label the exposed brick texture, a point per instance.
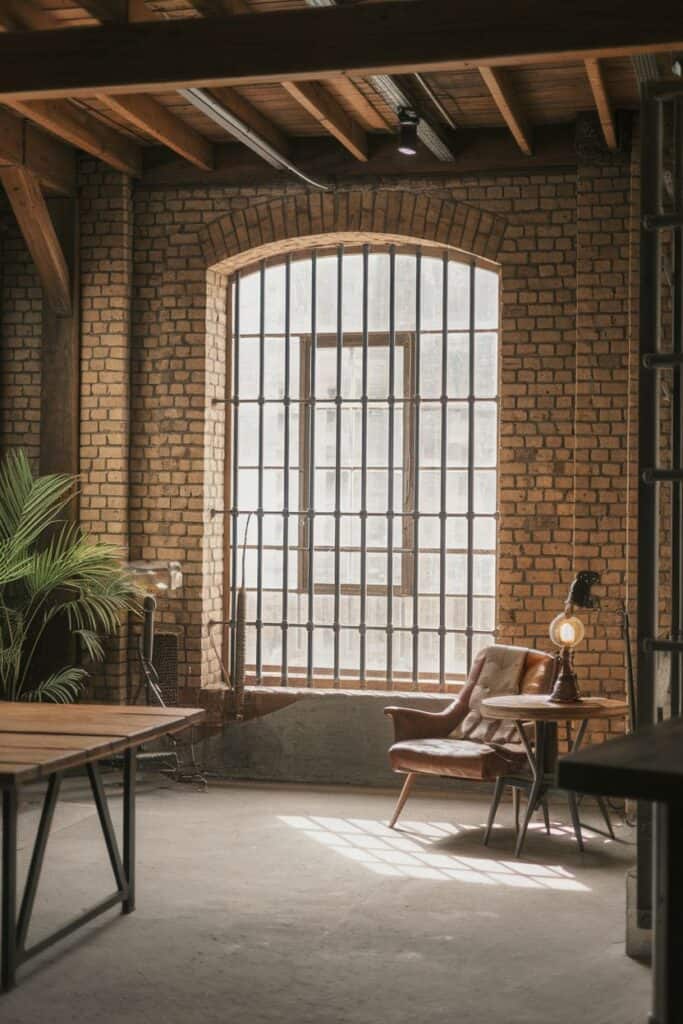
(551, 234)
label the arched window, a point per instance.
(364, 445)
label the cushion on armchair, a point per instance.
(500, 674)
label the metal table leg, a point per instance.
(15, 929)
(8, 954)
(537, 761)
(129, 780)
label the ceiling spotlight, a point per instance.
(407, 139)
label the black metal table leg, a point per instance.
(129, 781)
(668, 899)
(497, 794)
(8, 954)
(537, 787)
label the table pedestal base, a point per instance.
(541, 758)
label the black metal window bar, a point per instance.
(363, 433)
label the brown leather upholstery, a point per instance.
(424, 744)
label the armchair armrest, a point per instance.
(413, 724)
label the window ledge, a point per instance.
(220, 703)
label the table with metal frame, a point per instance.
(41, 742)
(545, 715)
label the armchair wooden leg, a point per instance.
(403, 796)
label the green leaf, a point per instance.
(61, 687)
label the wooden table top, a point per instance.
(646, 765)
(38, 739)
(539, 708)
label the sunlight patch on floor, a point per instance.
(414, 853)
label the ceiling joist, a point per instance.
(603, 105)
(322, 105)
(154, 118)
(314, 43)
(498, 84)
(30, 209)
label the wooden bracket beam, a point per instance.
(315, 43)
(603, 105)
(82, 129)
(498, 85)
(60, 360)
(322, 105)
(32, 214)
(24, 145)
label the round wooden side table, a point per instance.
(542, 755)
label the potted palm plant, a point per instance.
(54, 581)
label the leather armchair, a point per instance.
(458, 742)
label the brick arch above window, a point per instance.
(272, 227)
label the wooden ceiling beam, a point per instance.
(321, 104)
(106, 10)
(481, 151)
(154, 118)
(142, 111)
(75, 125)
(359, 103)
(313, 97)
(24, 145)
(16, 15)
(221, 8)
(30, 209)
(596, 78)
(498, 84)
(252, 117)
(139, 11)
(315, 43)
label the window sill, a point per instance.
(220, 703)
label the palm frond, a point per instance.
(61, 687)
(28, 504)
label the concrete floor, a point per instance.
(262, 903)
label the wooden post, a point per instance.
(60, 359)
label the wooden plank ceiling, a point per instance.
(354, 110)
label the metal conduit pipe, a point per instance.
(220, 115)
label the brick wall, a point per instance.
(546, 230)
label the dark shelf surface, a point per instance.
(647, 765)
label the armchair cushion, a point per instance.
(500, 673)
(462, 759)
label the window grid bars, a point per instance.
(364, 471)
(390, 462)
(470, 464)
(234, 512)
(443, 478)
(285, 525)
(261, 447)
(337, 460)
(307, 512)
(310, 497)
(416, 457)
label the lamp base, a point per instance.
(566, 688)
